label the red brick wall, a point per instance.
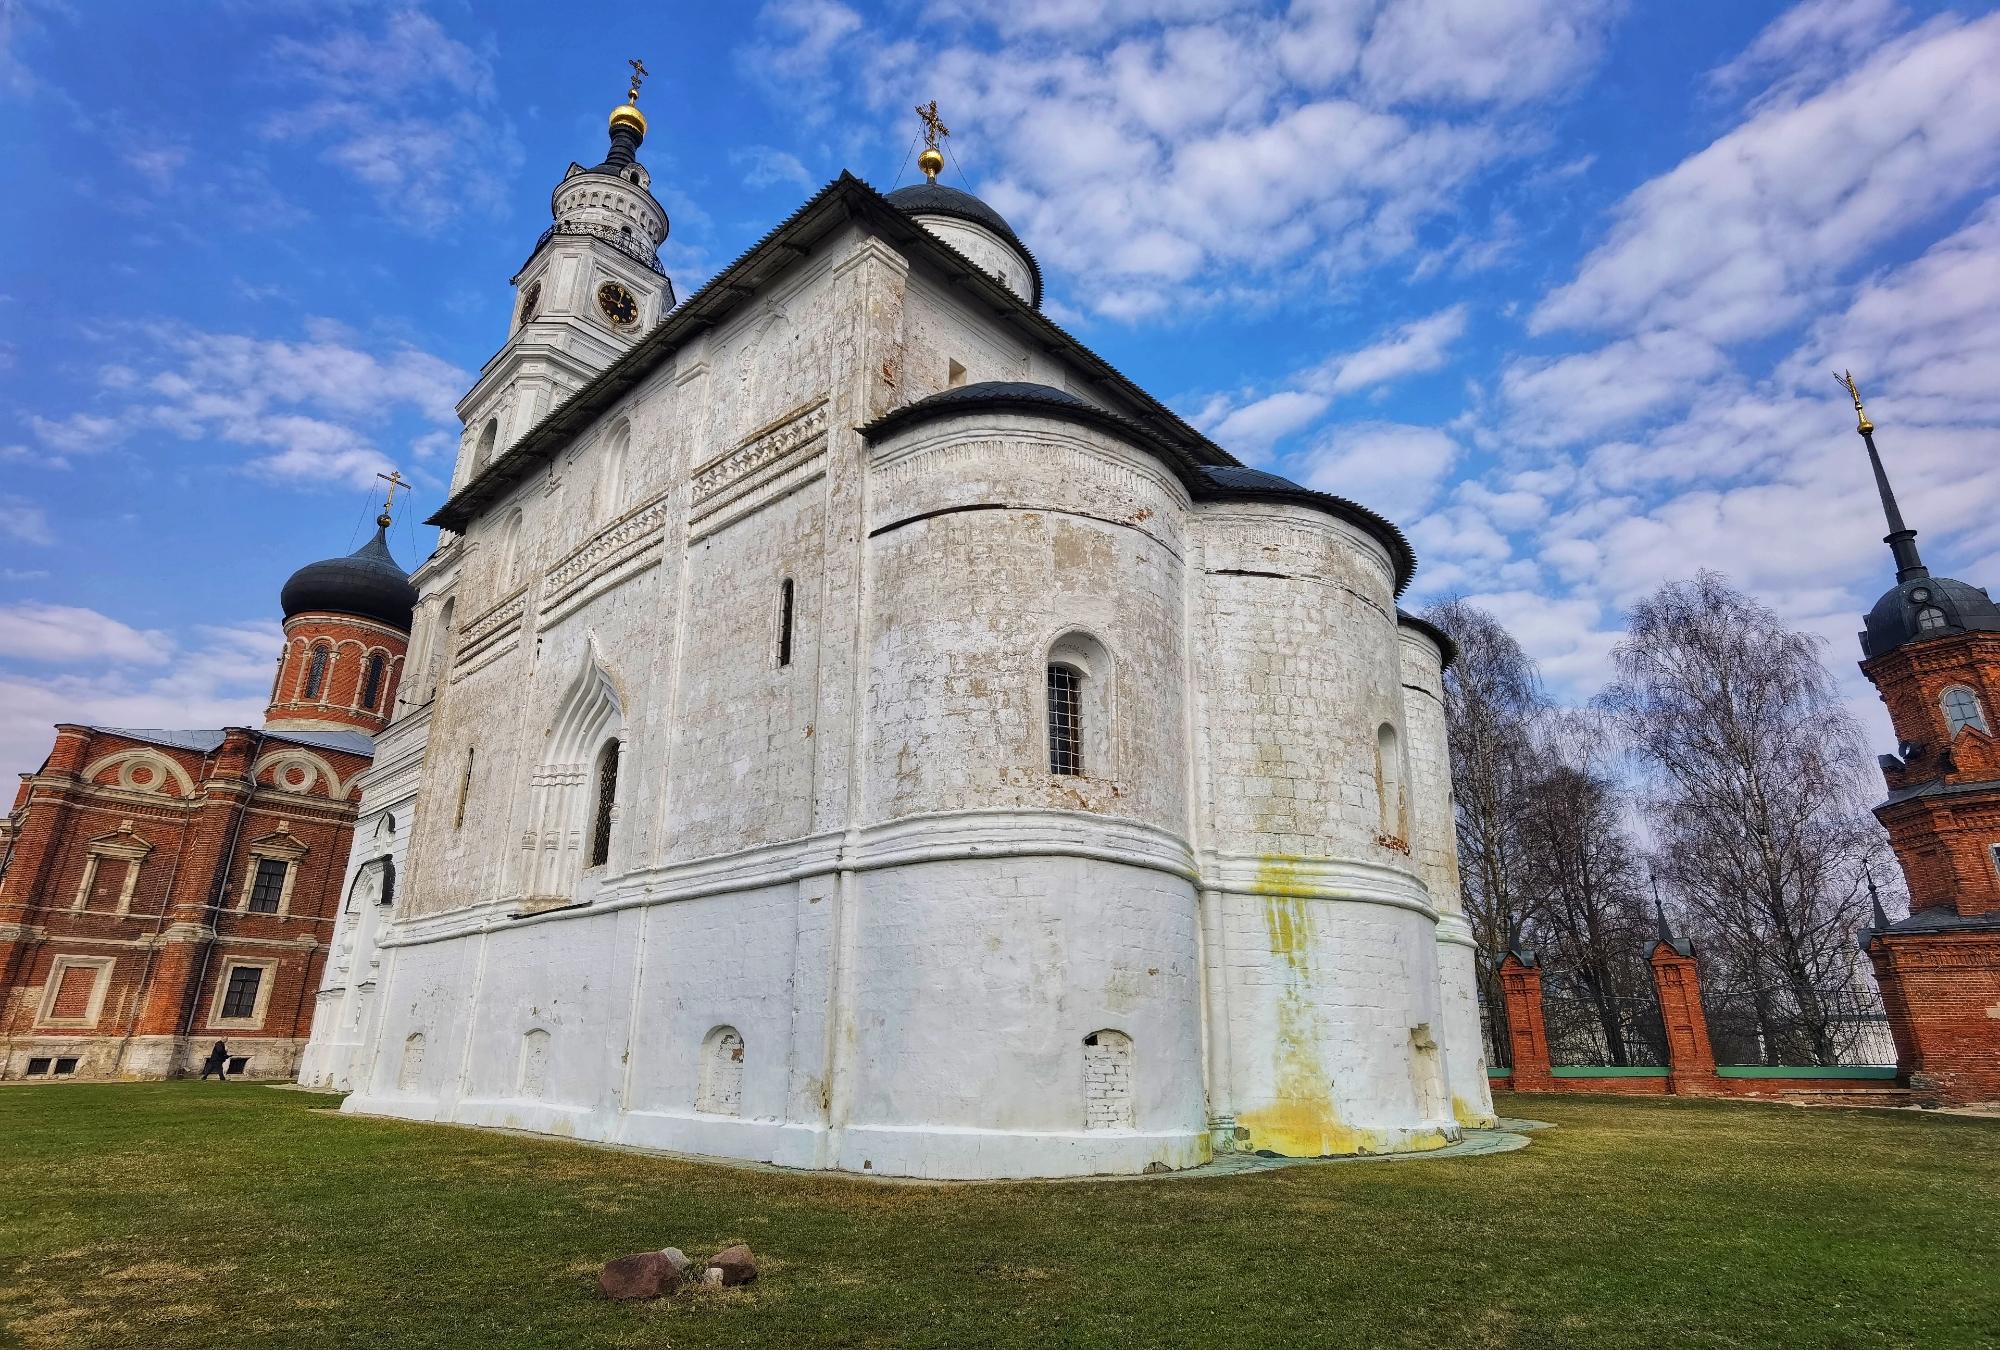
(1949, 985)
(1944, 842)
(186, 918)
(348, 642)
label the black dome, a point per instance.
(1894, 620)
(938, 200)
(367, 583)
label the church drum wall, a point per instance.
(1434, 848)
(1327, 952)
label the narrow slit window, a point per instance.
(464, 790)
(371, 682)
(607, 796)
(785, 622)
(316, 671)
(1065, 721)
(269, 887)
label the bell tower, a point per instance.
(590, 289)
(1932, 649)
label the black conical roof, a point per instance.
(367, 583)
(1899, 616)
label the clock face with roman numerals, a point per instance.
(617, 304)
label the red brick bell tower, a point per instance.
(1932, 649)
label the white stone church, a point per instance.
(850, 725)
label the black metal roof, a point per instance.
(1893, 621)
(367, 582)
(1431, 631)
(833, 207)
(1208, 471)
(935, 199)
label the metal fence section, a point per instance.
(1615, 1029)
(1774, 1024)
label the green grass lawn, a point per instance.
(189, 1214)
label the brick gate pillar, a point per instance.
(1527, 1034)
(1677, 986)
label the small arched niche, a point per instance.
(534, 1075)
(1390, 793)
(1107, 1081)
(721, 1073)
(411, 1072)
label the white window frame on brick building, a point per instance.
(277, 846)
(101, 965)
(121, 845)
(262, 1001)
(1961, 713)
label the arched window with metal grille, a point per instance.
(371, 680)
(1065, 720)
(316, 671)
(607, 797)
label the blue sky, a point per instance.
(1556, 283)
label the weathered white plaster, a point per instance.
(849, 918)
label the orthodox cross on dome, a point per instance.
(931, 161)
(1862, 424)
(639, 74)
(394, 478)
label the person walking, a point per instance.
(217, 1063)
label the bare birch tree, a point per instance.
(1585, 883)
(1756, 796)
(1492, 698)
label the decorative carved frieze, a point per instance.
(763, 449)
(632, 538)
(492, 633)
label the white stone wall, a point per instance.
(1434, 844)
(859, 863)
(986, 248)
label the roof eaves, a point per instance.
(1431, 631)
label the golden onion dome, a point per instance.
(626, 115)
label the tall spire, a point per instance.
(1901, 539)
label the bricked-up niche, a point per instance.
(721, 1073)
(411, 1071)
(535, 1063)
(1390, 796)
(1107, 1081)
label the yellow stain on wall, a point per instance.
(1302, 1119)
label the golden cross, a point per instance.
(1846, 379)
(934, 126)
(639, 73)
(394, 478)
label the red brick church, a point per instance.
(162, 890)
(1932, 649)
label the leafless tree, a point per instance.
(1492, 699)
(1586, 886)
(1755, 795)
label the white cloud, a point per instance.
(1561, 400)
(24, 521)
(1254, 428)
(1389, 467)
(30, 631)
(220, 677)
(1418, 346)
(311, 410)
(764, 166)
(1483, 51)
(1734, 242)
(409, 112)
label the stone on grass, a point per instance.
(736, 1263)
(678, 1259)
(640, 1275)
